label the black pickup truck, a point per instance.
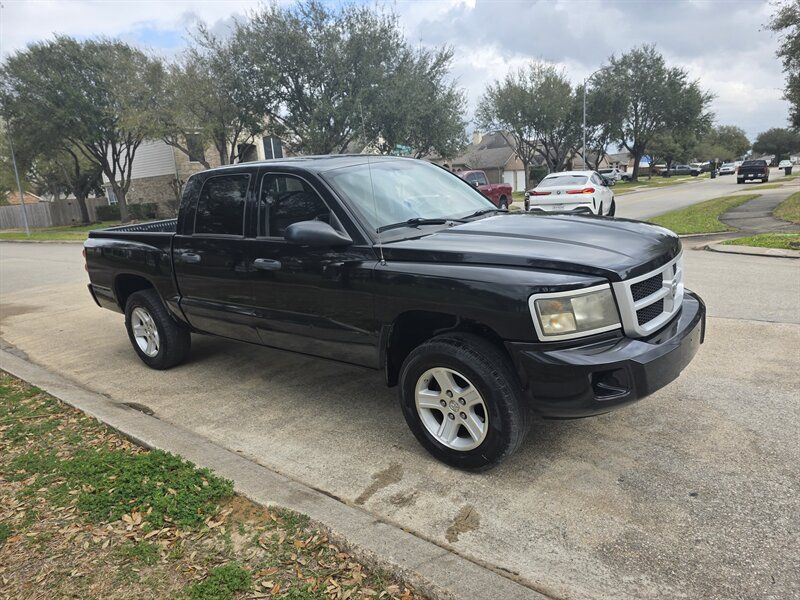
(483, 317)
(753, 169)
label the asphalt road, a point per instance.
(648, 203)
(693, 492)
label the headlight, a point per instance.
(577, 313)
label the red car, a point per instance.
(498, 193)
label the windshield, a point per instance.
(405, 189)
(559, 180)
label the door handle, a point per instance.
(189, 257)
(267, 264)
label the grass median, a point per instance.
(56, 234)
(85, 513)
(789, 209)
(783, 241)
(702, 217)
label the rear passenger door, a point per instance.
(210, 258)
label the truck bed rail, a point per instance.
(164, 226)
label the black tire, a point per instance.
(600, 210)
(174, 339)
(613, 210)
(488, 370)
(738, 181)
(503, 203)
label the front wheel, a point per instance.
(462, 401)
(503, 203)
(156, 337)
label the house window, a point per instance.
(272, 147)
(194, 144)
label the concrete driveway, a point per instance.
(694, 492)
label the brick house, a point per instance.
(12, 197)
(160, 170)
(492, 154)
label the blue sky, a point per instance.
(722, 43)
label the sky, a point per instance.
(722, 43)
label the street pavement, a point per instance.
(693, 492)
(648, 203)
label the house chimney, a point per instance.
(477, 136)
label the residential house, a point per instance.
(12, 197)
(492, 154)
(160, 170)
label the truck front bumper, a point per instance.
(601, 376)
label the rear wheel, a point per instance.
(462, 401)
(156, 337)
(600, 210)
(613, 210)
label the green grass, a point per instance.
(56, 234)
(789, 209)
(145, 553)
(784, 241)
(702, 217)
(222, 583)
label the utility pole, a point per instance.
(19, 185)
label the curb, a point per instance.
(427, 567)
(3, 241)
(753, 251)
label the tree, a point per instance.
(724, 142)
(210, 93)
(652, 98)
(325, 63)
(95, 96)
(787, 23)
(555, 115)
(417, 107)
(600, 111)
(777, 141)
(672, 146)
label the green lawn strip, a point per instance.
(702, 217)
(56, 234)
(74, 494)
(785, 241)
(789, 209)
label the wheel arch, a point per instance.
(126, 284)
(414, 327)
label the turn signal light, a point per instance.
(588, 190)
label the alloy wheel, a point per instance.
(451, 409)
(145, 331)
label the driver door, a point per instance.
(311, 300)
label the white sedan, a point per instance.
(572, 191)
(727, 169)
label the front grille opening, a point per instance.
(608, 385)
(650, 312)
(646, 288)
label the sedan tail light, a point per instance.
(588, 190)
(535, 193)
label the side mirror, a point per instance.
(317, 234)
(474, 184)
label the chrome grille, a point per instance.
(649, 301)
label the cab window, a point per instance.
(285, 199)
(220, 207)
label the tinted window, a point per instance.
(220, 208)
(478, 178)
(559, 180)
(285, 200)
(754, 163)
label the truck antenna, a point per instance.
(371, 183)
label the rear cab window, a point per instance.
(221, 206)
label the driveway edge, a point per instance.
(754, 251)
(432, 570)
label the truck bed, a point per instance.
(163, 226)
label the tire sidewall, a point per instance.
(497, 442)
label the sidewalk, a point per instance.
(755, 216)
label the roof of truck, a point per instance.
(315, 163)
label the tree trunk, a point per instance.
(637, 157)
(525, 165)
(122, 202)
(84, 209)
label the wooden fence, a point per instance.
(60, 213)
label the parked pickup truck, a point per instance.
(752, 169)
(481, 317)
(498, 193)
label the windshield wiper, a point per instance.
(416, 221)
(483, 211)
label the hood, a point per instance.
(615, 249)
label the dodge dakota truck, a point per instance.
(498, 193)
(482, 318)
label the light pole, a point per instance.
(585, 84)
(19, 186)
